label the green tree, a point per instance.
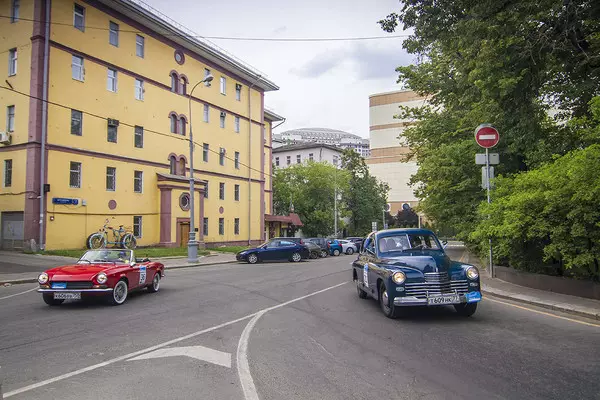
(365, 197)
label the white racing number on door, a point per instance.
(142, 275)
(366, 275)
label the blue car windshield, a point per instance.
(407, 242)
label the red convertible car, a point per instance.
(112, 273)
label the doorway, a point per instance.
(184, 233)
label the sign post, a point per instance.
(487, 137)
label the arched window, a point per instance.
(183, 85)
(181, 166)
(174, 121)
(182, 124)
(174, 82)
(173, 165)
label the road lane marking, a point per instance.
(487, 298)
(159, 346)
(198, 352)
(18, 294)
(243, 366)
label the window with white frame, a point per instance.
(75, 175)
(311, 157)
(79, 17)
(223, 84)
(7, 173)
(236, 193)
(77, 67)
(139, 46)
(205, 149)
(238, 92)
(76, 122)
(14, 10)
(221, 191)
(137, 226)
(138, 181)
(111, 131)
(288, 160)
(10, 119)
(12, 62)
(221, 226)
(298, 159)
(237, 160)
(222, 119)
(138, 137)
(222, 156)
(111, 80)
(236, 124)
(139, 89)
(206, 113)
(113, 33)
(111, 179)
(236, 226)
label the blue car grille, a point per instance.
(421, 289)
(436, 277)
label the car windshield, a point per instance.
(404, 242)
(105, 255)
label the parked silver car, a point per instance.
(348, 247)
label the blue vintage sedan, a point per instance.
(409, 267)
(275, 250)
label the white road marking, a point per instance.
(242, 361)
(198, 352)
(159, 346)
(18, 294)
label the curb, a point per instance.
(18, 281)
(542, 304)
(201, 265)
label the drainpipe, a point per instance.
(250, 159)
(42, 242)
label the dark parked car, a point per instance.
(275, 250)
(322, 243)
(409, 267)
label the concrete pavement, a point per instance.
(289, 331)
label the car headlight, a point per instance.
(43, 278)
(101, 278)
(472, 273)
(399, 277)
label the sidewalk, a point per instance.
(32, 270)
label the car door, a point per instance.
(270, 251)
(367, 260)
(286, 249)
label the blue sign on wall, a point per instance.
(62, 200)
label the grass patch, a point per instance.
(139, 252)
(229, 249)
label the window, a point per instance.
(172, 165)
(298, 159)
(138, 137)
(7, 173)
(206, 112)
(236, 125)
(75, 175)
(76, 122)
(221, 191)
(206, 190)
(236, 193)
(277, 161)
(77, 68)
(237, 160)
(221, 226)
(236, 226)
(222, 156)
(181, 167)
(205, 152)
(183, 86)
(111, 135)
(138, 181)
(173, 119)
(111, 178)
(181, 128)
(14, 10)
(10, 118)
(222, 120)
(238, 92)
(111, 81)
(139, 46)
(206, 73)
(79, 17)
(223, 83)
(113, 34)
(12, 62)
(174, 83)
(139, 89)
(137, 226)
(205, 226)
(311, 157)
(288, 160)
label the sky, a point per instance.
(322, 84)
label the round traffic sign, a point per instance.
(486, 136)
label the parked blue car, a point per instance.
(275, 250)
(409, 267)
(335, 247)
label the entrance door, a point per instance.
(184, 233)
(12, 231)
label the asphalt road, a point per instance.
(287, 331)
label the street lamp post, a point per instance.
(192, 242)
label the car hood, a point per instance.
(424, 263)
(79, 272)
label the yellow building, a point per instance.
(115, 132)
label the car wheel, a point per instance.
(323, 254)
(119, 294)
(361, 293)
(350, 251)
(252, 259)
(389, 310)
(466, 310)
(336, 252)
(153, 288)
(50, 300)
(314, 255)
(296, 257)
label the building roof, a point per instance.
(151, 18)
(306, 145)
(293, 219)
(320, 133)
(272, 116)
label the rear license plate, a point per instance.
(439, 300)
(67, 295)
(59, 285)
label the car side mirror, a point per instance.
(444, 244)
(132, 264)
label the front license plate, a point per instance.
(439, 300)
(67, 295)
(59, 285)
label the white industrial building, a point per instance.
(299, 153)
(332, 137)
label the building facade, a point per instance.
(299, 153)
(387, 147)
(112, 140)
(333, 137)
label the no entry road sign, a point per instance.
(486, 136)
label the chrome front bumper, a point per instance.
(415, 301)
(75, 290)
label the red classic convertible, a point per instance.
(105, 272)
